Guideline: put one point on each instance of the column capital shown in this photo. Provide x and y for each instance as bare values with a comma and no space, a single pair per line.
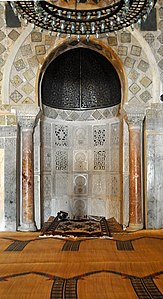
133,116
27,116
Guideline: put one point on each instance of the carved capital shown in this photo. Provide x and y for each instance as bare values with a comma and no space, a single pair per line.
27,122
27,116
133,116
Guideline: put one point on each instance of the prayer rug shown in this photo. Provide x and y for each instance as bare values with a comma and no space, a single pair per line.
93,226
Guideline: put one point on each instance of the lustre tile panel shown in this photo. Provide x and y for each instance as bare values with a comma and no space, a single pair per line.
40,50
129,62
26,50
16,96
134,88
19,65
13,35
28,88
36,36
145,96
122,51
125,37
149,37
29,75
143,66
16,81
145,81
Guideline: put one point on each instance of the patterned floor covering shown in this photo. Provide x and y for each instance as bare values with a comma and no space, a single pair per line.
128,266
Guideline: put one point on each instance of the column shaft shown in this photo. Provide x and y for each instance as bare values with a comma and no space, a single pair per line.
27,177
135,203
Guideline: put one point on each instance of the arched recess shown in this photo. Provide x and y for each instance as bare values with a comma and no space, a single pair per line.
88,148
100,47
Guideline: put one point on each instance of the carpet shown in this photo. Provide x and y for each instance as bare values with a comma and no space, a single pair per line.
92,226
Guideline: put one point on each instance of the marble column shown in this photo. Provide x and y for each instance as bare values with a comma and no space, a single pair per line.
27,124
135,121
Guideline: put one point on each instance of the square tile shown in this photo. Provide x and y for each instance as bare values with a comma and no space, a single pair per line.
28,88
145,96
135,50
28,100
143,66
26,50
40,50
13,35
133,75
122,51
19,65
145,81
129,62
11,119
125,37
29,75
160,38
36,36
33,62
112,40
16,96
16,81
49,40
149,37
134,88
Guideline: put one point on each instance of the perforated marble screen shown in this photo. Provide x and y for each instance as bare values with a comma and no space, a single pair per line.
80,79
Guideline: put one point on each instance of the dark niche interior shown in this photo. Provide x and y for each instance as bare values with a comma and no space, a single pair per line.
80,79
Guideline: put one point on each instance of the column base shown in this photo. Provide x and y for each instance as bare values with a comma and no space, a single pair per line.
134,227
27,227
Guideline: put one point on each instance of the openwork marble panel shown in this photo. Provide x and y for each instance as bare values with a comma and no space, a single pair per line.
98,184
99,136
61,160
99,160
61,135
